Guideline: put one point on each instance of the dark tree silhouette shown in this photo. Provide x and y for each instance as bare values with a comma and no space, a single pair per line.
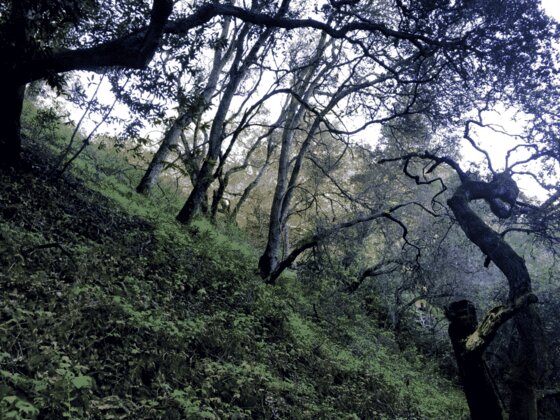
501,194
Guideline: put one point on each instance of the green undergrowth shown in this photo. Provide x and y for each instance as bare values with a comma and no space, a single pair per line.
111,310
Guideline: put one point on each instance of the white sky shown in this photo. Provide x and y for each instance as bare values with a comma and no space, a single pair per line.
552,7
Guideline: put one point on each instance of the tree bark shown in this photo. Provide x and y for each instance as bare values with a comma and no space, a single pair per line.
199,193
157,163
15,48
269,258
10,127
469,340
218,196
481,396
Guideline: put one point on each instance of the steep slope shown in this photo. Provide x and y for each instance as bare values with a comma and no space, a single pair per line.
106,314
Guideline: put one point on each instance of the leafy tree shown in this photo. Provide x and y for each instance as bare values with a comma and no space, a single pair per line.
38,41
476,41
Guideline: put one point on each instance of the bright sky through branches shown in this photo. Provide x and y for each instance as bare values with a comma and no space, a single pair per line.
495,143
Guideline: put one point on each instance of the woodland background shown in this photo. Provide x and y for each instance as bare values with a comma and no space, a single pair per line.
292,201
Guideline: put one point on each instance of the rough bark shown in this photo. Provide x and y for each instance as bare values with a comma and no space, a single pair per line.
481,396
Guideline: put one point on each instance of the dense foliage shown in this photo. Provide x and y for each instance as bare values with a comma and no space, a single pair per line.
110,311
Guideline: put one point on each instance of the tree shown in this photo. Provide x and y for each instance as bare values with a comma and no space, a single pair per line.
305,81
501,193
194,109
35,38
396,84
470,339
461,35
239,68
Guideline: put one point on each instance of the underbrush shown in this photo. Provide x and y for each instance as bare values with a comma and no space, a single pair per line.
112,310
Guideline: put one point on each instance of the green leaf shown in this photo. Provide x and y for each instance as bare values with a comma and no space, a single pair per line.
82,381
10,399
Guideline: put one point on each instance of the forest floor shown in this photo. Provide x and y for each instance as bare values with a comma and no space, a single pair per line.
109,309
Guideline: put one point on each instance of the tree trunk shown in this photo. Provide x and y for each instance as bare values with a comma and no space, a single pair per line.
285,241
482,399
284,187
292,115
198,195
14,49
173,134
170,140
218,195
470,340
10,126
22,63
237,73
527,364
269,258
525,374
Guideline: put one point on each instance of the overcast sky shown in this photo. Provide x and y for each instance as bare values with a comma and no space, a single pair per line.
552,7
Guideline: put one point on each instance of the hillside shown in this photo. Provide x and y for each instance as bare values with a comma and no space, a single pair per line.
106,314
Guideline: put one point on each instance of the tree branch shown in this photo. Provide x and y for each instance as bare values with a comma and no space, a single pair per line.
134,50
492,321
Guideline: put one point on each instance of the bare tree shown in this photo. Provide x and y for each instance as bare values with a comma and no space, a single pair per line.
241,63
